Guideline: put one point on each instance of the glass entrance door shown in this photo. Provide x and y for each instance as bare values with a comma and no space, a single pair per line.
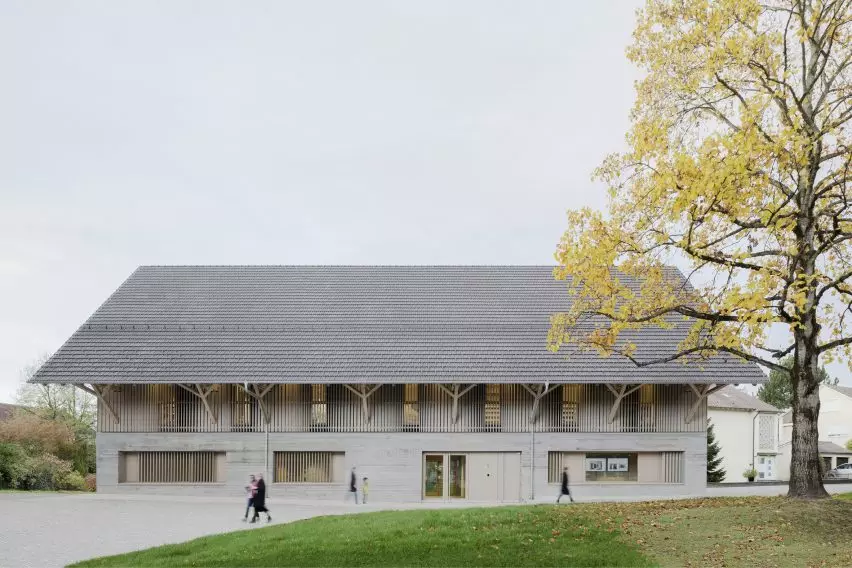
458,478
433,475
437,484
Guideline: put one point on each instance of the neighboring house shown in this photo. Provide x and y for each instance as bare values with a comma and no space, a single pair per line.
835,428
6,410
435,381
747,431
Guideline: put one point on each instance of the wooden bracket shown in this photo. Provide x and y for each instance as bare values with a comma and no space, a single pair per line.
203,393
259,392
701,394
622,392
456,393
99,392
538,393
364,392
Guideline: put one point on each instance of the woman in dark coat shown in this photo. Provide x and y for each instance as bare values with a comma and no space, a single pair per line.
260,500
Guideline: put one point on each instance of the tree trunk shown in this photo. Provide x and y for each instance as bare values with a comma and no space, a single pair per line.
805,470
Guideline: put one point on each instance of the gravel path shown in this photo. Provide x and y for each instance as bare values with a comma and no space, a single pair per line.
55,529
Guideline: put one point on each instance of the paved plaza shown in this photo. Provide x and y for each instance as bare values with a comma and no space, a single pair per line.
55,529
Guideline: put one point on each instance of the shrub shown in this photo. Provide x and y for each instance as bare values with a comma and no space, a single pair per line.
36,435
91,482
44,471
13,464
71,481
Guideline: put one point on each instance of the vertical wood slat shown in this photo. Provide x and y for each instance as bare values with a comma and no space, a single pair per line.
567,408
172,466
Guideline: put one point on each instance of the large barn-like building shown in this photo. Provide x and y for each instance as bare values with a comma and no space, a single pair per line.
434,381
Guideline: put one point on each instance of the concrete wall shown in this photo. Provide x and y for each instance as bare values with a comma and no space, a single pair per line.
835,417
393,461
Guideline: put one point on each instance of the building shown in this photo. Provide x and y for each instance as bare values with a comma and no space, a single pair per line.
7,410
747,431
434,381
834,424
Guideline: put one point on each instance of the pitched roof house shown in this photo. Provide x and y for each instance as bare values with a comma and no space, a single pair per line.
834,424
6,410
747,431
435,381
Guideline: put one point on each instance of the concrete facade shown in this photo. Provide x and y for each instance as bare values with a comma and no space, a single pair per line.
394,461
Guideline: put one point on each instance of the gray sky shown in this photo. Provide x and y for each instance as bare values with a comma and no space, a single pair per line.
290,132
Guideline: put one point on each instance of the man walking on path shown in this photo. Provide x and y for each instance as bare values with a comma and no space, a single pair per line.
353,485
564,489
260,500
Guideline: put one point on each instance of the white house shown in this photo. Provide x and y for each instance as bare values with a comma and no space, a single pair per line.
747,432
835,429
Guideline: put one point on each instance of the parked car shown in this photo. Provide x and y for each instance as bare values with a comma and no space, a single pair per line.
843,471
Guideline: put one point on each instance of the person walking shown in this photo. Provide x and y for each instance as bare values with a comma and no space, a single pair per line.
365,490
353,485
251,489
564,490
260,500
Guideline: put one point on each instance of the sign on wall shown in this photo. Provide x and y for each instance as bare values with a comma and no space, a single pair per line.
595,464
607,464
616,464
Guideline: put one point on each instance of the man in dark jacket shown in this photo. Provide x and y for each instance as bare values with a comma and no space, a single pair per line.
564,489
260,500
353,485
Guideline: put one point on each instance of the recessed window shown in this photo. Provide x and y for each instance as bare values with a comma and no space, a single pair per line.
411,408
171,467
492,406
319,406
308,467
611,466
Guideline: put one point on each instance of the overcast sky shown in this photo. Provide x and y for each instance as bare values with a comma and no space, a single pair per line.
290,132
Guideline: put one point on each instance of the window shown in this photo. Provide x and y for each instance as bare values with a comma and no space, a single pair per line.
826,463
767,432
611,466
647,408
308,467
177,407
319,406
171,467
598,467
492,407
411,408
243,411
840,461
570,407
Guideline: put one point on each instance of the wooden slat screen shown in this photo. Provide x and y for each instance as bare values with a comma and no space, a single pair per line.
672,467
172,467
305,467
402,408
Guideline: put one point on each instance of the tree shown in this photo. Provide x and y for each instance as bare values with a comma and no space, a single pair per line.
738,170
66,406
715,471
849,444
779,390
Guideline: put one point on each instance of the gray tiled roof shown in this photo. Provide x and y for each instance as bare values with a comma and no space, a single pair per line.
733,398
832,448
351,324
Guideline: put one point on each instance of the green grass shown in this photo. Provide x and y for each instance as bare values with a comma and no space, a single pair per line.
752,531
505,536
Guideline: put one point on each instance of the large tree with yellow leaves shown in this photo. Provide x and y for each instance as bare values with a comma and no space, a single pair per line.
738,168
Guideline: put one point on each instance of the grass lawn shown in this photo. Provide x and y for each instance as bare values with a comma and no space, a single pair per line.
754,531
